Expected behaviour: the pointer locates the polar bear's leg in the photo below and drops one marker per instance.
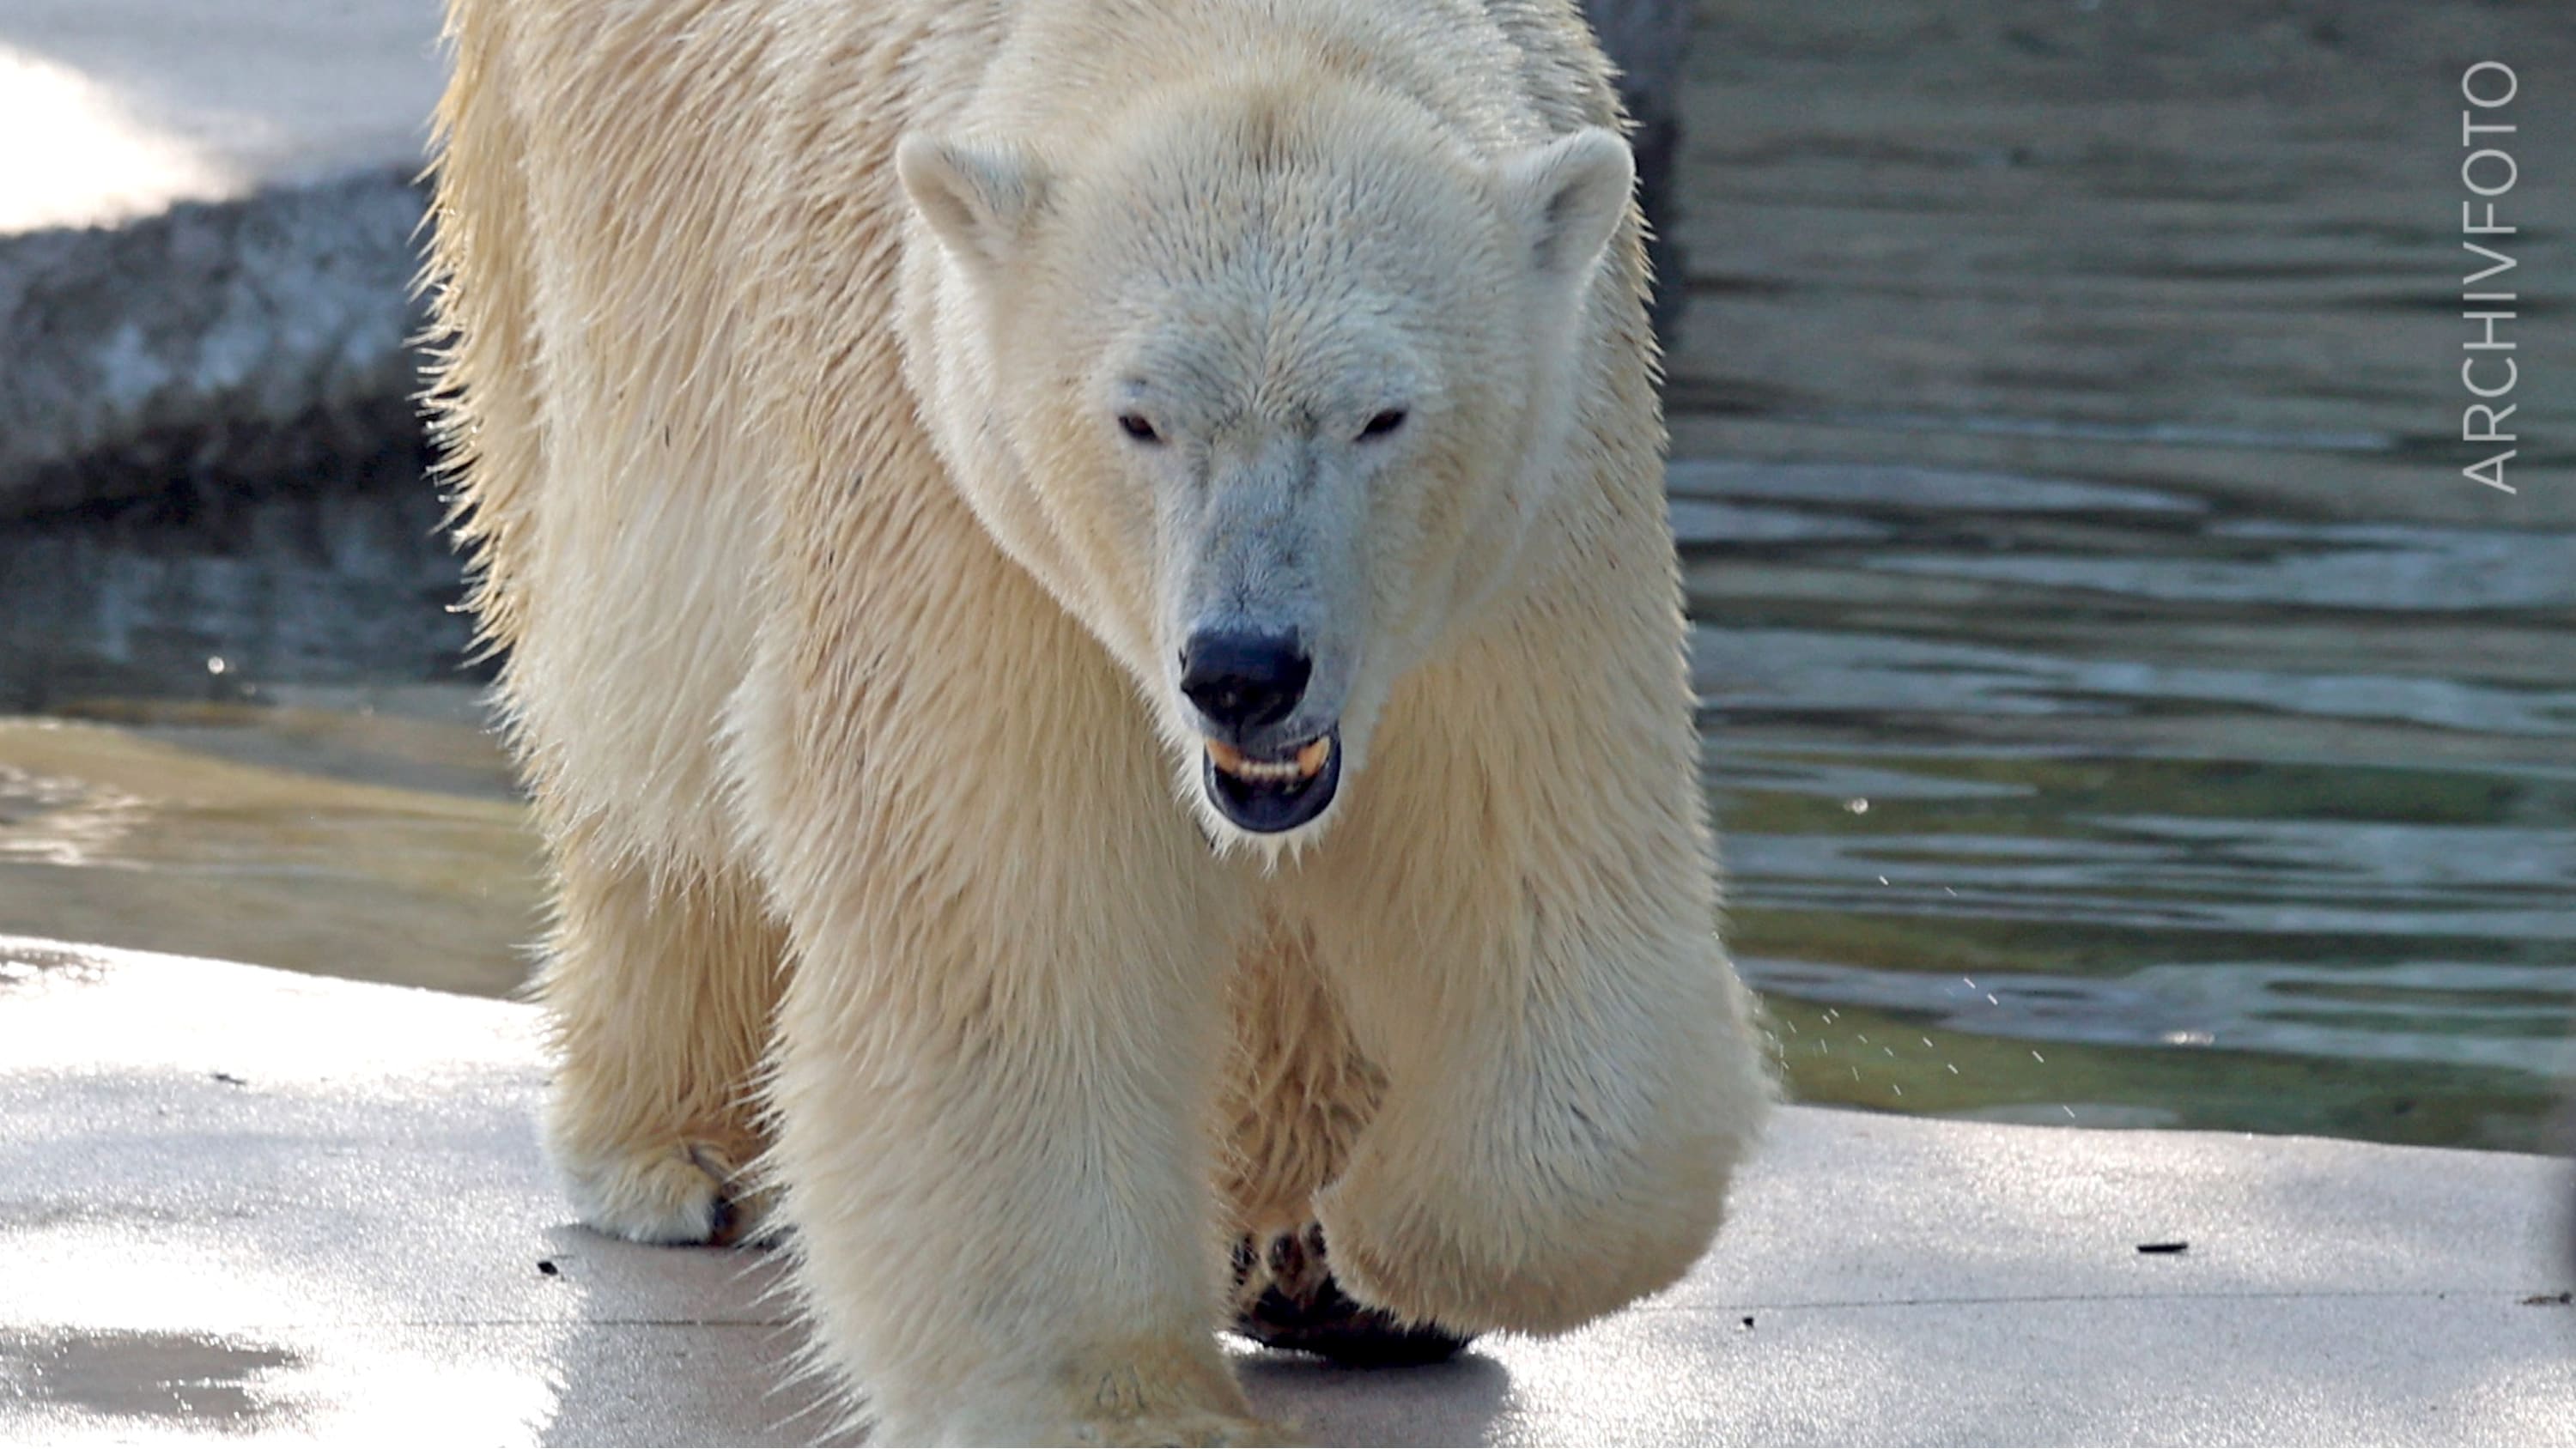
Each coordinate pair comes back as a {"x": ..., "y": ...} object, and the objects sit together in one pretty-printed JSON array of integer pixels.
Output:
[
  {"x": 1571, "y": 1077},
  {"x": 659, "y": 994},
  {"x": 1296, "y": 1094},
  {"x": 1296, "y": 1090},
  {"x": 1571, "y": 1085},
  {"x": 990, "y": 1093},
  {"x": 996, "y": 1053}
]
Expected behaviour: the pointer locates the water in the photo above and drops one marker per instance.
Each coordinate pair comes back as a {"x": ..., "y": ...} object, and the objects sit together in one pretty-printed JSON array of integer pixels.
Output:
[
  {"x": 245, "y": 734},
  {"x": 2044, "y": 798},
  {"x": 2120, "y": 710},
  {"x": 2089, "y": 381},
  {"x": 2136, "y": 812}
]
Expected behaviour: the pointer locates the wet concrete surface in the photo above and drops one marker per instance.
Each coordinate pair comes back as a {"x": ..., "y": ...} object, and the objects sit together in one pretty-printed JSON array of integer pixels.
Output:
[
  {"x": 246, "y": 1205},
  {"x": 199, "y": 1379}
]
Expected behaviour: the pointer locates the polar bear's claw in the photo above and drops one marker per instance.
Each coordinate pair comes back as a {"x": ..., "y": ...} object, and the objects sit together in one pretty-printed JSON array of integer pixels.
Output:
[{"x": 1287, "y": 1298}]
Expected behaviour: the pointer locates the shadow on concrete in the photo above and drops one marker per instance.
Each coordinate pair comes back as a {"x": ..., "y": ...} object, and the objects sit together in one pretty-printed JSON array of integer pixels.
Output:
[{"x": 1463, "y": 1401}]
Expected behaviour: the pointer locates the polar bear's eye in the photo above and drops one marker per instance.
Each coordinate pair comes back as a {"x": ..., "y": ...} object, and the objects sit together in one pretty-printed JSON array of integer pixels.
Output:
[
  {"x": 1135, "y": 426},
  {"x": 1383, "y": 424}
]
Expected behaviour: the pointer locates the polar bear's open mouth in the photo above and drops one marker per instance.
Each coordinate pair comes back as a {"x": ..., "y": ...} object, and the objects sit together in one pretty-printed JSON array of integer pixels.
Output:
[{"x": 1266, "y": 794}]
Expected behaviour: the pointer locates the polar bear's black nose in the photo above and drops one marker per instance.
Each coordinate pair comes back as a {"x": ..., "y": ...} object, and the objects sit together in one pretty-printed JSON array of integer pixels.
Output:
[{"x": 1244, "y": 681}]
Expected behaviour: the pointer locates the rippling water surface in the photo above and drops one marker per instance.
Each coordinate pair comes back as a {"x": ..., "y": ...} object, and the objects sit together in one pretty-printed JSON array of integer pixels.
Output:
[
  {"x": 2119, "y": 709},
  {"x": 2050, "y": 800}
]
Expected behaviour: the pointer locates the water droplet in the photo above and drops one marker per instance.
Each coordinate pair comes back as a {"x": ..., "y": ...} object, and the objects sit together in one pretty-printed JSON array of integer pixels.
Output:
[
  {"x": 215, "y": 664},
  {"x": 1857, "y": 807},
  {"x": 1990, "y": 999},
  {"x": 2069, "y": 1110},
  {"x": 1882, "y": 880},
  {"x": 1953, "y": 1066},
  {"x": 2035, "y": 1056},
  {"x": 1900, "y": 1091}
]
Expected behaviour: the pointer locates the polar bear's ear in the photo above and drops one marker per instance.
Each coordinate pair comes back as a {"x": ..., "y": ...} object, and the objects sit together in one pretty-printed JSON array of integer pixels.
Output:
[
  {"x": 1570, "y": 195},
  {"x": 978, "y": 197}
]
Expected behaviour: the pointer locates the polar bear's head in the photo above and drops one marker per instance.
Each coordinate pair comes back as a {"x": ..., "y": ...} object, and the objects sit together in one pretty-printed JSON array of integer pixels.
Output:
[{"x": 1267, "y": 389}]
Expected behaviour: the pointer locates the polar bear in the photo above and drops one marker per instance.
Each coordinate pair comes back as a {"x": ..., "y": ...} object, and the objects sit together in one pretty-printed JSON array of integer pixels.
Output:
[{"x": 1090, "y": 623}]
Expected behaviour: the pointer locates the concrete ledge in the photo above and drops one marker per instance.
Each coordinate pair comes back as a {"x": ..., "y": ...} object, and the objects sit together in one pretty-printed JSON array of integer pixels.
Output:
[
  {"x": 263, "y": 338},
  {"x": 236, "y": 1202}
]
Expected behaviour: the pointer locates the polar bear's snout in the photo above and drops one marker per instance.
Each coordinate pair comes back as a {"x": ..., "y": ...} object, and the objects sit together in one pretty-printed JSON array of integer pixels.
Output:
[
  {"x": 1264, "y": 773},
  {"x": 1244, "y": 682},
  {"x": 1265, "y": 586}
]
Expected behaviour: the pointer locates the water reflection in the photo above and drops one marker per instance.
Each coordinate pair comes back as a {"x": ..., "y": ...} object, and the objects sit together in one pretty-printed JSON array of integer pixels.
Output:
[
  {"x": 220, "y": 595},
  {"x": 110, "y": 835}
]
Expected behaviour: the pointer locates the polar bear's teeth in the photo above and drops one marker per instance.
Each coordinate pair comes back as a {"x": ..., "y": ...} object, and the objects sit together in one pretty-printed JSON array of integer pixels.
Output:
[
  {"x": 1306, "y": 764},
  {"x": 1310, "y": 760}
]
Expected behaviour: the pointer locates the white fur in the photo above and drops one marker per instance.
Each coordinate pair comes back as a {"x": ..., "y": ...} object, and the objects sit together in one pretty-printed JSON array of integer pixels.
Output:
[{"x": 788, "y": 345}]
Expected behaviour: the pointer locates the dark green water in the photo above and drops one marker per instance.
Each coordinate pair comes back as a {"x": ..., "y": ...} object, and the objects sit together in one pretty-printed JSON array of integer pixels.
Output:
[
  {"x": 2088, "y": 377},
  {"x": 2073, "y": 802}
]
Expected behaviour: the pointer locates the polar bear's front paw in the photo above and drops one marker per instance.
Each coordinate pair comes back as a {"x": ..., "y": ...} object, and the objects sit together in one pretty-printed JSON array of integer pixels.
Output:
[
  {"x": 1470, "y": 1264},
  {"x": 683, "y": 1193}
]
